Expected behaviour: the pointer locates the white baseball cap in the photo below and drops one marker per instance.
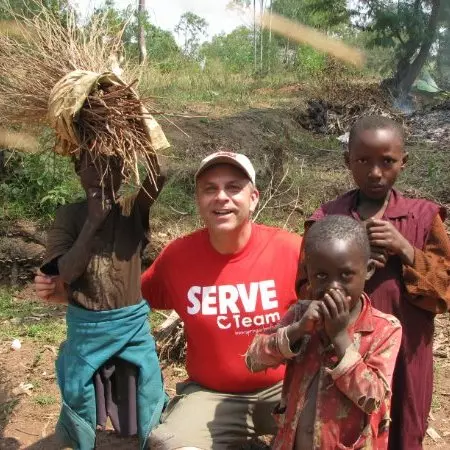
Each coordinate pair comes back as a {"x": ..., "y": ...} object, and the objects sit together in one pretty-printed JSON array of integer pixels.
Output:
[{"x": 223, "y": 157}]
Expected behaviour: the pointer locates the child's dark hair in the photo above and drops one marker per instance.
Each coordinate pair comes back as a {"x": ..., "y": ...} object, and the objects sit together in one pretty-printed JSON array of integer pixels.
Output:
[
  {"x": 336, "y": 227},
  {"x": 373, "y": 123}
]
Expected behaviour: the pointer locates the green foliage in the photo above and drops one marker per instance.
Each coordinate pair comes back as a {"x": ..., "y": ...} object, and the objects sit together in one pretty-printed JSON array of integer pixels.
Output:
[
  {"x": 324, "y": 14},
  {"x": 309, "y": 62},
  {"x": 31, "y": 8},
  {"x": 161, "y": 45},
  {"x": 36, "y": 185},
  {"x": 234, "y": 50}
]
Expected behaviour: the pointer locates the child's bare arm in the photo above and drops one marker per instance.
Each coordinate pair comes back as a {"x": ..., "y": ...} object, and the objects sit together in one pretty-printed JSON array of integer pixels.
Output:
[
  {"x": 73, "y": 263},
  {"x": 279, "y": 344},
  {"x": 150, "y": 189},
  {"x": 366, "y": 382}
]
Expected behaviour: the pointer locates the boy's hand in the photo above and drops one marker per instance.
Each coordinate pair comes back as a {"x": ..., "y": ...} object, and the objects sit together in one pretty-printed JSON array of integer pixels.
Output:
[
  {"x": 311, "y": 321},
  {"x": 335, "y": 309},
  {"x": 384, "y": 235},
  {"x": 336, "y": 319},
  {"x": 98, "y": 206},
  {"x": 379, "y": 256}
]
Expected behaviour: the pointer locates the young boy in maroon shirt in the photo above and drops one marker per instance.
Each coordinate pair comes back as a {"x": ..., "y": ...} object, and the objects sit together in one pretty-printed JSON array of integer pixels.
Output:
[{"x": 411, "y": 250}]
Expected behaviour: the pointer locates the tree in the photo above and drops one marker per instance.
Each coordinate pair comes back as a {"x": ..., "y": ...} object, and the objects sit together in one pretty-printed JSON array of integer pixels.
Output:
[
  {"x": 409, "y": 26},
  {"x": 235, "y": 49},
  {"x": 141, "y": 32},
  {"x": 191, "y": 27},
  {"x": 443, "y": 50},
  {"x": 327, "y": 15}
]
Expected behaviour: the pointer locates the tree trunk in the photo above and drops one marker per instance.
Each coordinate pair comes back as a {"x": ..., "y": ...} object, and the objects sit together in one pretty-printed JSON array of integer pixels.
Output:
[
  {"x": 261, "y": 35},
  {"x": 254, "y": 36},
  {"x": 270, "y": 38},
  {"x": 141, "y": 32},
  {"x": 406, "y": 76}
]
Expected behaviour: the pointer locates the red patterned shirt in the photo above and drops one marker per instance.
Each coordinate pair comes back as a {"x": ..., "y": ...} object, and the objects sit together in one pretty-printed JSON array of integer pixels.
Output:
[{"x": 347, "y": 401}]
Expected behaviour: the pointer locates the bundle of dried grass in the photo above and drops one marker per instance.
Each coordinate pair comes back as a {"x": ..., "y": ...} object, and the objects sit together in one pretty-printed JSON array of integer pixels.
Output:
[{"x": 52, "y": 71}]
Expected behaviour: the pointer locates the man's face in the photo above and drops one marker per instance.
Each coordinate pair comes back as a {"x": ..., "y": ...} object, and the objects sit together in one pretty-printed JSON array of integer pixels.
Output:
[
  {"x": 375, "y": 159},
  {"x": 338, "y": 264},
  {"x": 225, "y": 198}
]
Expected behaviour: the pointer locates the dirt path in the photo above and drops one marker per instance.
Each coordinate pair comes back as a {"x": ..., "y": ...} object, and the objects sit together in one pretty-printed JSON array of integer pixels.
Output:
[{"x": 27, "y": 420}]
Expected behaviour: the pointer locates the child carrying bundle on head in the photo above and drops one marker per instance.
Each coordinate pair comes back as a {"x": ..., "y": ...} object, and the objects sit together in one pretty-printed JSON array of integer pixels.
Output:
[
  {"x": 338, "y": 349},
  {"x": 108, "y": 367},
  {"x": 411, "y": 251}
]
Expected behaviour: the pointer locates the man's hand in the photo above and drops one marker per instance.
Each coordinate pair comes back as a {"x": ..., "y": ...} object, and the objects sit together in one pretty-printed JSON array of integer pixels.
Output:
[
  {"x": 99, "y": 206},
  {"x": 384, "y": 235},
  {"x": 335, "y": 310},
  {"x": 50, "y": 288}
]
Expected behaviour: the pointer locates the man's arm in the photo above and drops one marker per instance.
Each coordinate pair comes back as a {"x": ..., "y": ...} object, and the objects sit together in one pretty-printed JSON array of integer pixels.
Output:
[{"x": 155, "y": 282}]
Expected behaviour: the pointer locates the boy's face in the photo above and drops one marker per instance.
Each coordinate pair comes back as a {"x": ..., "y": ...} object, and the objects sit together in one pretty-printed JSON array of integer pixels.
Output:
[
  {"x": 337, "y": 264},
  {"x": 375, "y": 159},
  {"x": 106, "y": 173}
]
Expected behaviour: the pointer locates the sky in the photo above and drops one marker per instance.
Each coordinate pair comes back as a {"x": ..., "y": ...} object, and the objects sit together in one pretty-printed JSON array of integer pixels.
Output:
[{"x": 166, "y": 13}]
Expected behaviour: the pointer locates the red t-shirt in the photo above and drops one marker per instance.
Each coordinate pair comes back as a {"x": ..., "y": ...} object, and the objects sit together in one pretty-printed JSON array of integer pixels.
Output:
[{"x": 224, "y": 300}]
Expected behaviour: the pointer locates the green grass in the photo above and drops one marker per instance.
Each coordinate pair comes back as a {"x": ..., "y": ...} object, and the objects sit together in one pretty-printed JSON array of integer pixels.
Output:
[
  {"x": 215, "y": 86},
  {"x": 45, "y": 400},
  {"x": 30, "y": 319},
  {"x": 6, "y": 410}
]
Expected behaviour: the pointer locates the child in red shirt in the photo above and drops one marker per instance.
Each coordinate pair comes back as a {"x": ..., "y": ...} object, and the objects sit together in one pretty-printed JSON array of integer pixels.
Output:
[
  {"x": 340, "y": 351},
  {"x": 411, "y": 250}
]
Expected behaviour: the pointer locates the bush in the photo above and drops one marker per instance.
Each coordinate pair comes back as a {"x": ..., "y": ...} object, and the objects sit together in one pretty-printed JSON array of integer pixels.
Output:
[{"x": 35, "y": 185}]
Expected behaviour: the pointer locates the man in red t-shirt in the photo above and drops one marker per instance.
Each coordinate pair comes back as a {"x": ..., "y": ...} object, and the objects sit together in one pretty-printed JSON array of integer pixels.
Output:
[{"x": 227, "y": 282}]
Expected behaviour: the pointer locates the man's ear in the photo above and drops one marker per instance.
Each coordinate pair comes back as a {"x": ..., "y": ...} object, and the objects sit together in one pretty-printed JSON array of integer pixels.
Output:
[
  {"x": 254, "y": 198},
  {"x": 347, "y": 158},
  {"x": 370, "y": 269}
]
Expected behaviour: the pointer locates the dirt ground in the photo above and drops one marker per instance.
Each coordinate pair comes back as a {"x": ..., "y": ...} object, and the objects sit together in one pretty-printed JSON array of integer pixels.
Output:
[{"x": 27, "y": 419}]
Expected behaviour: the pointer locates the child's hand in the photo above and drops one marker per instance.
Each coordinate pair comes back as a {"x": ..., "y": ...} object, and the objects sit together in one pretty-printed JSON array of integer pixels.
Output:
[
  {"x": 98, "y": 206},
  {"x": 379, "y": 256},
  {"x": 384, "y": 235},
  {"x": 311, "y": 321},
  {"x": 336, "y": 319},
  {"x": 50, "y": 288},
  {"x": 335, "y": 309}
]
